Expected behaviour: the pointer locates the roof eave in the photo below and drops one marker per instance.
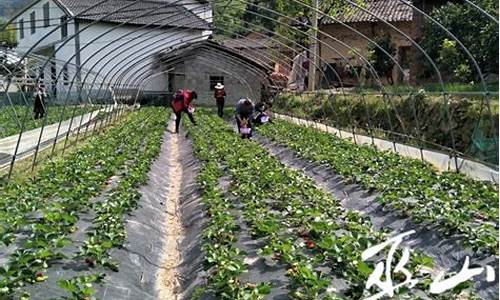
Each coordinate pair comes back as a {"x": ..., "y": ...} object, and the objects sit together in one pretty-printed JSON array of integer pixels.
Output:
[{"x": 141, "y": 25}]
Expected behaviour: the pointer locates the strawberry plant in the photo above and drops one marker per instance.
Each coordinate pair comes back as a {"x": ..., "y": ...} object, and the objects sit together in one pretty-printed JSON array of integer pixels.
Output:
[
  {"x": 303, "y": 228},
  {"x": 49, "y": 205},
  {"x": 450, "y": 200},
  {"x": 80, "y": 287},
  {"x": 223, "y": 260},
  {"x": 108, "y": 226}
]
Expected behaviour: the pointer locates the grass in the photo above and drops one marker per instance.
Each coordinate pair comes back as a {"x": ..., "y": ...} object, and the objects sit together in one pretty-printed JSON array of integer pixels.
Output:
[{"x": 451, "y": 88}]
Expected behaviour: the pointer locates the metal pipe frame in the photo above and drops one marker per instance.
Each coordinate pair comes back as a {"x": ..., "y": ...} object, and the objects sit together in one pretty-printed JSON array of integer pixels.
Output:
[{"x": 139, "y": 80}]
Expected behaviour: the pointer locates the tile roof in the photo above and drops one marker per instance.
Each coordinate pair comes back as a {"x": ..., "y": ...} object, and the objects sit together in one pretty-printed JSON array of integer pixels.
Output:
[
  {"x": 250, "y": 43},
  {"x": 153, "y": 12},
  {"x": 388, "y": 10},
  {"x": 172, "y": 56}
]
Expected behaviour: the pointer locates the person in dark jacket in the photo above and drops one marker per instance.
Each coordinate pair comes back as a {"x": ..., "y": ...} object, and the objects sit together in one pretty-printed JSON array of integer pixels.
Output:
[
  {"x": 261, "y": 113},
  {"x": 220, "y": 97},
  {"x": 40, "y": 96},
  {"x": 181, "y": 103},
  {"x": 244, "y": 115}
]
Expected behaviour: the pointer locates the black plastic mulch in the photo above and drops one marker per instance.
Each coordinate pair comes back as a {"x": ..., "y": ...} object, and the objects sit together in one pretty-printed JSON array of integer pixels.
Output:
[{"x": 448, "y": 252}]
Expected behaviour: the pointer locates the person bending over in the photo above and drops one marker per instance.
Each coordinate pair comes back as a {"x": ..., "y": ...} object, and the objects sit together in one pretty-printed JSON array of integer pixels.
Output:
[
  {"x": 244, "y": 114},
  {"x": 182, "y": 103}
]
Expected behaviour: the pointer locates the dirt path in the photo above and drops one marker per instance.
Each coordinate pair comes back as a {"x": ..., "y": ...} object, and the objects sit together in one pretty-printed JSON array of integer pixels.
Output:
[{"x": 169, "y": 277}]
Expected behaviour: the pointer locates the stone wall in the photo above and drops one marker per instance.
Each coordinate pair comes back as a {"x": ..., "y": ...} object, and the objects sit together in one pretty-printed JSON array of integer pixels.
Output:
[
  {"x": 239, "y": 80},
  {"x": 344, "y": 40},
  {"x": 355, "y": 40}
]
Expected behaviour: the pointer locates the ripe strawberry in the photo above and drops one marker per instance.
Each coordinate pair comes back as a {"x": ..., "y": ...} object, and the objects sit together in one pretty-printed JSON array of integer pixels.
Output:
[
  {"x": 310, "y": 244},
  {"x": 90, "y": 262}
]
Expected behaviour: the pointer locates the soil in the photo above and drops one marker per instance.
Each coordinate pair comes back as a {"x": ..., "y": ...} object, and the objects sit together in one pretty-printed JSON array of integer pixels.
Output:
[{"x": 168, "y": 278}]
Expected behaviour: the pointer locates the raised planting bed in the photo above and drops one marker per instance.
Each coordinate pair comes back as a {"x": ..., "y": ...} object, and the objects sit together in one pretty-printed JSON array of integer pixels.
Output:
[
  {"x": 298, "y": 228},
  {"x": 41, "y": 219},
  {"x": 460, "y": 205}
]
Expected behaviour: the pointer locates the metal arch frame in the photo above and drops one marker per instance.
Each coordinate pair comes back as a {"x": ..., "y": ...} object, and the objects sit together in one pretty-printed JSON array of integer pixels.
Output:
[
  {"x": 183, "y": 42},
  {"x": 348, "y": 62},
  {"x": 26, "y": 54},
  {"x": 413, "y": 42},
  {"x": 69, "y": 38},
  {"x": 328, "y": 45},
  {"x": 468, "y": 53},
  {"x": 434, "y": 66},
  {"x": 365, "y": 61},
  {"x": 7, "y": 24},
  {"x": 119, "y": 25},
  {"x": 132, "y": 84},
  {"x": 52, "y": 31},
  {"x": 32, "y": 69},
  {"x": 372, "y": 40},
  {"x": 353, "y": 131},
  {"x": 64, "y": 43},
  {"x": 484, "y": 12},
  {"x": 348, "y": 46},
  {"x": 36, "y": 67},
  {"x": 62, "y": 113}
]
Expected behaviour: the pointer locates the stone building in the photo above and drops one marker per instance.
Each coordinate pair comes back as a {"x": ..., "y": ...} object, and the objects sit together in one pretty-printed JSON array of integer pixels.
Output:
[
  {"x": 267, "y": 50},
  {"x": 200, "y": 66},
  {"x": 358, "y": 24}
]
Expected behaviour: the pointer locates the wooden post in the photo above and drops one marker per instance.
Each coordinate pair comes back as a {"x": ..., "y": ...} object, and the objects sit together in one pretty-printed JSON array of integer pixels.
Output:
[{"x": 313, "y": 57}]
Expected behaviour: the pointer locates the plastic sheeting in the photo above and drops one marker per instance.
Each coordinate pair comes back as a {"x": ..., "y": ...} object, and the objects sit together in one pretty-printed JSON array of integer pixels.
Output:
[
  {"x": 447, "y": 252},
  {"x": 140, "y": 259}
]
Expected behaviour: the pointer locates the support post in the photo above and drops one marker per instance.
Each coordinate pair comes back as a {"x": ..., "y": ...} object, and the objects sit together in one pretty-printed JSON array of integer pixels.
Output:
[{"x": 313, "y": 57}]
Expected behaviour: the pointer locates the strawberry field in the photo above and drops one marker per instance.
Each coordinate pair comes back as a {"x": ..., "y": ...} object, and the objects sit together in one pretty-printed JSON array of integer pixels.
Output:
[
  {"x": 40, "y": 218},
  {"x": 95, "y": 223}
]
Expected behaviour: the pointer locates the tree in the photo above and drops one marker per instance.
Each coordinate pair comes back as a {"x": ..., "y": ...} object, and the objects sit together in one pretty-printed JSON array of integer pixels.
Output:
[
  {"x": 380, "y": 61},
  {"x": 8, "y": 36},
  {"x": 286, "y": 18},
  {"x": 227, "y": 17},
  {"x": 477, "y": 32}
]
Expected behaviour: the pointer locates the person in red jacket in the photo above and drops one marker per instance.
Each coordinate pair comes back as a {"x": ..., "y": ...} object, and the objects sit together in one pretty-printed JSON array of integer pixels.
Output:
[{"x": 182, "y": 103}]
